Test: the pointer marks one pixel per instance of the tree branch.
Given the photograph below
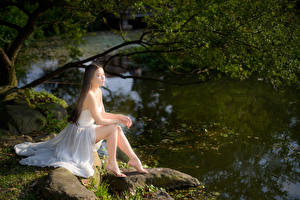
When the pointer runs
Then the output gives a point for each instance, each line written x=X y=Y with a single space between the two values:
x=4 y=4
x=138 y=52
x=76 y=64
x=144 y=34
x=224 y=35
x=50 y=75
x=110 y=50
x=188 y=20
x=10 y=25
x=5 y=57
x=156 y=79
x=25 y=32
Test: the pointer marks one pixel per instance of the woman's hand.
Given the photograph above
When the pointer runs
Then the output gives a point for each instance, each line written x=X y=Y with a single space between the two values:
x=126 y=120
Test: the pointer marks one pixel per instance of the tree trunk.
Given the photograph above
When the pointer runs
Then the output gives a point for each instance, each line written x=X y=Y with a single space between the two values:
x=7 y=73
x=7 y=57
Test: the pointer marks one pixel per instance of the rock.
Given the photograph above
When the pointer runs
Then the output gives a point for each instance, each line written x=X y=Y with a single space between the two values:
x=97 y=161
x=94 y=181
x=58 y=111
x=4 y=133
x=5 y=89
x=62 y=184
x=21 y=119
x=158 y=195
x=96 y=178
x=44 y=137
x=14 y=96
x=160 y=177
x=11 y=140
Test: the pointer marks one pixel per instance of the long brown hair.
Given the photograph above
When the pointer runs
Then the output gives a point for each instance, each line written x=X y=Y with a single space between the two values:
x=86 y=84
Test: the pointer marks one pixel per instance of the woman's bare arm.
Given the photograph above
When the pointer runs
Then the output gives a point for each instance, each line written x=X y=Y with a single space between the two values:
x=122 y=118
x=109 y=115
x=106 y=114
x=91 y=101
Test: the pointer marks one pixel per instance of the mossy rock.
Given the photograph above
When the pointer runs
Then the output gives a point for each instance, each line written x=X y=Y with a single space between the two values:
x=58 y=110
x=35 y=98
x=62 y=184
x=159 y=177
x=21 y=119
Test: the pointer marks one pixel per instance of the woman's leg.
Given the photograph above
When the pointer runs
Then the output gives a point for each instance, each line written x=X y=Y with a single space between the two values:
x=126 y=148
x=110 y=134
x=124 y=144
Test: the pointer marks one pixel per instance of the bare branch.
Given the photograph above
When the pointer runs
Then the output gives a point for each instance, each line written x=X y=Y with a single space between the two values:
x=121 y=31
x=50 y=75
x=59 y=70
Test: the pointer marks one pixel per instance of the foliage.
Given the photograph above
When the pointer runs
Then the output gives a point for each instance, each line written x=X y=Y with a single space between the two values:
x=53 y=124
x=198 y=192
x=238 y=38
x=12 y=15
x=66 y=19
x=35 y=98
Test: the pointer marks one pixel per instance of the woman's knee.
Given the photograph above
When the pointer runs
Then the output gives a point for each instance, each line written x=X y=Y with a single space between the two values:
x=116 y=128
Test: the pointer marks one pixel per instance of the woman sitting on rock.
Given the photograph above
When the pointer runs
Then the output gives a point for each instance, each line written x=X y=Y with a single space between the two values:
x=73 y=148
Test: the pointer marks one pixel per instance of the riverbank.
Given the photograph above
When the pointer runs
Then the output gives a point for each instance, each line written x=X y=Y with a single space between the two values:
x=240 y=138
x=24 y=182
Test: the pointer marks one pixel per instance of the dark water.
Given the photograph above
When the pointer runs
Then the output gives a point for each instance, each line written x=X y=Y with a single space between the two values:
x=240 y=138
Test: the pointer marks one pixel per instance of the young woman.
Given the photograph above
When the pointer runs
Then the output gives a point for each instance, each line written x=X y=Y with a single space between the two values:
x=73 y=148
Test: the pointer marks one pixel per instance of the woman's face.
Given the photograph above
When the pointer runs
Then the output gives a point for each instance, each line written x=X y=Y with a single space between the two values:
x=99 y=76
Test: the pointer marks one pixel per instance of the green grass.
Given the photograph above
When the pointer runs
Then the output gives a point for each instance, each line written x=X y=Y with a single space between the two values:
x=17 y=181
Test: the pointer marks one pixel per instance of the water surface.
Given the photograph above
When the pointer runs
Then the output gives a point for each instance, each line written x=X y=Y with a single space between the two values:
x=240 y=138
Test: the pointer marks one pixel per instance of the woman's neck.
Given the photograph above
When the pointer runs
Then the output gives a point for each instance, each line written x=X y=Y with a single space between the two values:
x=95 y=88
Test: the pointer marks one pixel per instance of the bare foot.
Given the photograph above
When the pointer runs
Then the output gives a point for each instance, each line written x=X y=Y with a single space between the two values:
x=113 y=167
x=136 y=163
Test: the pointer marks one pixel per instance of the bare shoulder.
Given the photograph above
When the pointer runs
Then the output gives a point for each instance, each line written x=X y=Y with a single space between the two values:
x=90 y=97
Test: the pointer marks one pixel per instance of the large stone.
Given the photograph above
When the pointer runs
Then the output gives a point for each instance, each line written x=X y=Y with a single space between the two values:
x=4 y=133
x=43 y=137
x=14 y=96
x=96 y=178
x=158 y=195
x=62 y=184
x=11 y=140
x=21 y=119
x=58 y=111
x=97 y=160
x=160 y=177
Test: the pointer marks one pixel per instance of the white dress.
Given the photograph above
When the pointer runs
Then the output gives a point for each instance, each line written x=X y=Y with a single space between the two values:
x=73 y=148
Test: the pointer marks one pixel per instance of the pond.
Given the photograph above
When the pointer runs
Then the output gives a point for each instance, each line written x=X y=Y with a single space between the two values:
x=240 y=138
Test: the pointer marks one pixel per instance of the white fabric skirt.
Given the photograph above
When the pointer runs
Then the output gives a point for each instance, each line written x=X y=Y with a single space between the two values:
x=73 y=148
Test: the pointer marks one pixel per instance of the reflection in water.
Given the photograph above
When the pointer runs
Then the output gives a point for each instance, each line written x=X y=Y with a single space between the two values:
x=251 y=152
